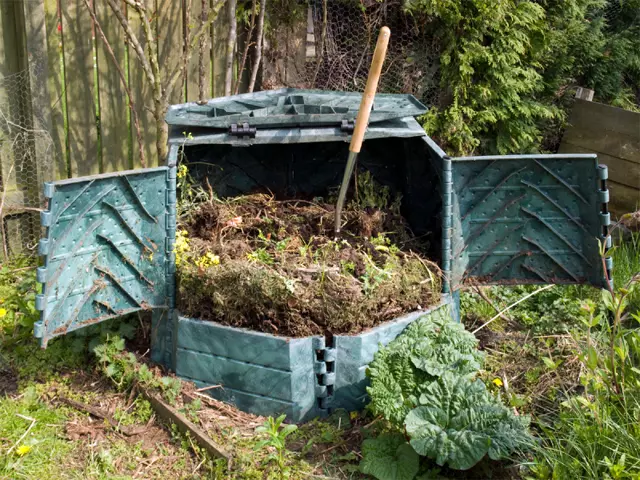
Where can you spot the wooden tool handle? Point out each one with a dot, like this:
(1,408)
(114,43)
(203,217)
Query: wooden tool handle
(362,120)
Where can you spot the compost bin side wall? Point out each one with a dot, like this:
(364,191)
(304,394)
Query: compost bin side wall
(267,375)
(354,353)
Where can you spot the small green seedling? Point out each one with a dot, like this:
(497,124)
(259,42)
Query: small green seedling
(276,439)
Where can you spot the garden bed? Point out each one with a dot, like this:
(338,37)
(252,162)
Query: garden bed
(274,266)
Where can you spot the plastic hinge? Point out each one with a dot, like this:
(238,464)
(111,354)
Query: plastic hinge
(607,241)
(603,196)
(325,379)
(48,190)
(45,219)
(605,219)
(320,368)
(38,329)
(41,302)
(347,126)
(608,262)
(43,247)
(603,172)
(242,130)
(41,275)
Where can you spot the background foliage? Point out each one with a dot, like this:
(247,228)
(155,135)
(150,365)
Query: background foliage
(508,68)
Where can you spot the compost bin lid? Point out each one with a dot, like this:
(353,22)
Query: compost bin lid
(289,107)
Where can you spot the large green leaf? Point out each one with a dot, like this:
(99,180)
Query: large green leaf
(458,422)
(389,457)
(428,348)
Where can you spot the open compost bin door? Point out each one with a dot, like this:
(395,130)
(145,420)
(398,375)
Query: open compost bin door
(106,251)
(527,219)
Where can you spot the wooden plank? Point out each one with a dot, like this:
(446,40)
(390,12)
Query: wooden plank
(171,415)
(142,92)
(36,38)
(219,52)
(170,43)
(623,199)
(597,115)
(620,170)
(601,140)
(56,88)
(81,108)
(10,96)
(113,95)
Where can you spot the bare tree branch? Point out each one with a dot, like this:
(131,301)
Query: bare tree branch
(201,51)
(133,40)
(132,106)
(152,46)
(247,44)
(179,70)
(260,41)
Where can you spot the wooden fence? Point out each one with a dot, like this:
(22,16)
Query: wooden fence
(78,91)
(614,134)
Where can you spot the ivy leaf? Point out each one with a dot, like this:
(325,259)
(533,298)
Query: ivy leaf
(389,457)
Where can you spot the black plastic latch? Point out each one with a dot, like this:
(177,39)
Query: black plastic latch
(242,130)
(348,126)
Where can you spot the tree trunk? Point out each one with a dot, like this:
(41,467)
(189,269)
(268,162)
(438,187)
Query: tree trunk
(231,43)
(259,38)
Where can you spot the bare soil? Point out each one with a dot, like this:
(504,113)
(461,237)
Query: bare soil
(276,266)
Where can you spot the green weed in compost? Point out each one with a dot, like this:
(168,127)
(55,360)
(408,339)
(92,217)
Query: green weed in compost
(274,266)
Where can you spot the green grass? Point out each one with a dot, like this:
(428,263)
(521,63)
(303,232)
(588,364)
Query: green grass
(48,450)
(626,264)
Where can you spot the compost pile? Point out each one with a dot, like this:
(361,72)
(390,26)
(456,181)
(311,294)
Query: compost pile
(276,267)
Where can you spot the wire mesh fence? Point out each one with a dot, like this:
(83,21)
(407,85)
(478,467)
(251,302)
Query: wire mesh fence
(26,157)
(341,37)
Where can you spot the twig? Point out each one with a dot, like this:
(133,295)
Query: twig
(103,416)
(546,287)
(488,300)
(33,422)
(132,106)
(210,387)
(260,42)
(132,39)
(178,71)
(201,51)
(247,44)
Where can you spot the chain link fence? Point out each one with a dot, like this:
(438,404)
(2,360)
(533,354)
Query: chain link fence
(331,48)
(341,37)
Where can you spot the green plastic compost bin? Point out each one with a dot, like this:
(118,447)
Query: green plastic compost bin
(108,249)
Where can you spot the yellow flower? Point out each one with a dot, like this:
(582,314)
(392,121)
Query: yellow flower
(208,260)
(3,312)
(23,450)
(497,382)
